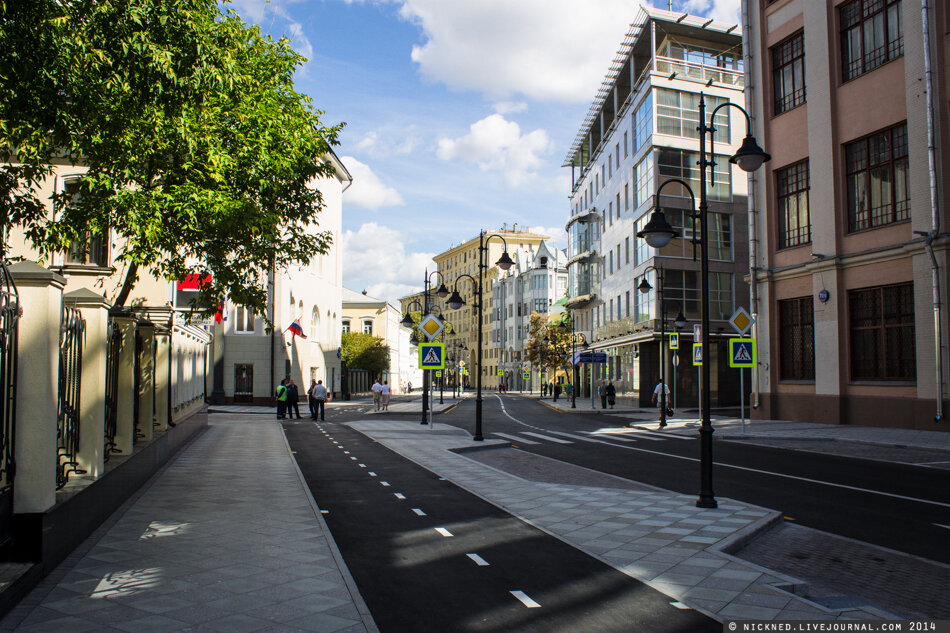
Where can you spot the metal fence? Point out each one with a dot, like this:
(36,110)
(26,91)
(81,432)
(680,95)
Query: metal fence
(113,347)
(9,319)
(70,380)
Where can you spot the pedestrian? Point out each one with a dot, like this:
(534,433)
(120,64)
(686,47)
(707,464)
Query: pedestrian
(293,399)
(663,388)
(384,395)
(409,387)
(602,392)
(544,388)
(282,399)
(310,399)
(557,390)
(320,401)
(611,393)
(376,389)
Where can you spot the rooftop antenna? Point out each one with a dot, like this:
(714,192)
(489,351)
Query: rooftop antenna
(671,5)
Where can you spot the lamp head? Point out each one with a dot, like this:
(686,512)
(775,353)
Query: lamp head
(407,321)
(680,320)
(456,301)
(443,292)
(658,231)
(750,156)
(644,286)
(504,262)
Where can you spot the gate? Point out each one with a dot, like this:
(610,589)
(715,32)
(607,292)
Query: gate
(70,379)
(244,383)
(9,318)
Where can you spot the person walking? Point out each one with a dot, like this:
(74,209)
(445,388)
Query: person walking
(282,399)
(320,401)
(602,392)
(661,387)
(557,390)
(310,399)
(611,392)
(377,389)
(293,399)
(384,396)
(409,387)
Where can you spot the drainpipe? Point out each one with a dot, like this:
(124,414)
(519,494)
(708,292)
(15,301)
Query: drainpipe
(935,211)
(751,212)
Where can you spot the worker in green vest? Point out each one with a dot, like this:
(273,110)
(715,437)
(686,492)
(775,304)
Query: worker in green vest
(282,399)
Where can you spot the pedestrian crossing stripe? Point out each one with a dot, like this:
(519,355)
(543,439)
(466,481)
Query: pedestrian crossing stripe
(431,356)
(742,352)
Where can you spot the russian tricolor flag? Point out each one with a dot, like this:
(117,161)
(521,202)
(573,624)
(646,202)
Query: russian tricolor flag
(296,329)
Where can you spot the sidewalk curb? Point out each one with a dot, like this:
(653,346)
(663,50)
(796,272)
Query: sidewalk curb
(361,606)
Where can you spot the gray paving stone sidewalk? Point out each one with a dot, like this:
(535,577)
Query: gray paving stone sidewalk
(225,538)
(653,535)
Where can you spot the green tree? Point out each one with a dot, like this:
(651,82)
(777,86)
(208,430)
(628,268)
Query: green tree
(365,351)
(548,345)
(201,155)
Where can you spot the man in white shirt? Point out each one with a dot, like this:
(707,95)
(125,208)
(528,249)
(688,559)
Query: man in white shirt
(319,393)
(377,390)
(663,402)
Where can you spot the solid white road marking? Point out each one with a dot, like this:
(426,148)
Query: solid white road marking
(419,512)
(943,526)
(443,532)
(515,438)
(525,600)
(481,562)
(399,495)
(547,437)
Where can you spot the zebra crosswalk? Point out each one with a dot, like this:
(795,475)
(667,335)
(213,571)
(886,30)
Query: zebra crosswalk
(600,436)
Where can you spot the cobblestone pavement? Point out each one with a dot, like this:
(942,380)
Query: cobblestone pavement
(844,571)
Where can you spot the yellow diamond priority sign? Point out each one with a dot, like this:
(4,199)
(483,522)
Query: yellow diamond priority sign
(741,321)
(431,326)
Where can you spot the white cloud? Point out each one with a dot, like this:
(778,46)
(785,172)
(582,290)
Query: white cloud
(367,190)
(557,234)
(300,41)
(508,107)
(497,144)
(544,49)
(375,260)
(722,10)
(385,143)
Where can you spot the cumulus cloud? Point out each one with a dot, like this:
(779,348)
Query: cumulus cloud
(384,143)
(375,259)
(496,144)
(722,10)
(367,190)
(509,107)
(557,234)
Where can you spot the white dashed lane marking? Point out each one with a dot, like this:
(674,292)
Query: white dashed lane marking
(481,562)
(399,495)
(443,532)
(419,512)
(525,600)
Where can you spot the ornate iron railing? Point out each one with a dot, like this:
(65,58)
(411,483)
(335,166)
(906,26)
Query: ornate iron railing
(10,311)
(137,433)
(71,341)
(113,347)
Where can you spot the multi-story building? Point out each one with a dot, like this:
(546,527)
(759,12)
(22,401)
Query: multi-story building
(376,317)
(641,130)
(851,265)
(533,285)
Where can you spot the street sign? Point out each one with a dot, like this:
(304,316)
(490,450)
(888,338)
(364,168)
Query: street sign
(674,340)
(526,375)
(697,353)
(742,352)
(431,356)
(438,373)
(741,321)
(501,372)
(461,363)
(431,326)
(697,332)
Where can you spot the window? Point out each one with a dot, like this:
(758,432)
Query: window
(315,324)
(643,122)
(682,164)
(540,306)
(627,297)
(878,183)
(618,205)
(367,326)
(792,185)
(681,291)
(882,333)
(346,326)
(677,114)
(797,334)
(626,196)
(92,248)
(625,152)
(788,73)
(610,259)
(610,313)
(626,248)
(618,256)
(243,320)
(644,180)
(719,235)
(871,35)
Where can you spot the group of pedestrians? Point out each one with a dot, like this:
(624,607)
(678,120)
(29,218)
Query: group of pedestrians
(288,400)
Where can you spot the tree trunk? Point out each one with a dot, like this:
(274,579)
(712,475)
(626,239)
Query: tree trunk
(131,276)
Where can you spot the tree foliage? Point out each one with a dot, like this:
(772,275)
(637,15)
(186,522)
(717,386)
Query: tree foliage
(365,351)
(201,155)
(548,345)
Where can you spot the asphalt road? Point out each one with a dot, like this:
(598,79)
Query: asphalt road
(906,508)
(429,556)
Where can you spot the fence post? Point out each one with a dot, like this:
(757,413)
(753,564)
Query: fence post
(125,394)
(146,393)
(41,296)
(95,311)
(163,339)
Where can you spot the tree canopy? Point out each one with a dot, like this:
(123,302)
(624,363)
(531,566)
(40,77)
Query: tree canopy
(548,345)
(365,351)
(201,154)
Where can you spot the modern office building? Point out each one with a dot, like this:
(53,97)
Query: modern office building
(850,251)
(640,131)
(532,286)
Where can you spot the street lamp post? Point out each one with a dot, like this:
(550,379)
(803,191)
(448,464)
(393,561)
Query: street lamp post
(658,233)
(575,375)
(456,301)
(442,292)
(644,288)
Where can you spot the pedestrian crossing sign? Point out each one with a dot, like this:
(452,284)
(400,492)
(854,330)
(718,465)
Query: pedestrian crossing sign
(438,373)
(526,375)
(431,356)
(697,354)
(674,340)
(742,352)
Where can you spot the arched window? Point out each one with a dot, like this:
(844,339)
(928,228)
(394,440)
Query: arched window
(315,324)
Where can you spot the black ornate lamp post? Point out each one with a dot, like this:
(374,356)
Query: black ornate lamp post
(456,301)
(658,234)
(680,321)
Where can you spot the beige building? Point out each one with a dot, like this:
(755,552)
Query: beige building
(362,313)
(850,254)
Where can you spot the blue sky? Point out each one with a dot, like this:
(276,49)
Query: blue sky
(458,113)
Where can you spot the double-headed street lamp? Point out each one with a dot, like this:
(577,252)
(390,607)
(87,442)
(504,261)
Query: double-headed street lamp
(680,321)
(658,234)
(407,321)
(456,301)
